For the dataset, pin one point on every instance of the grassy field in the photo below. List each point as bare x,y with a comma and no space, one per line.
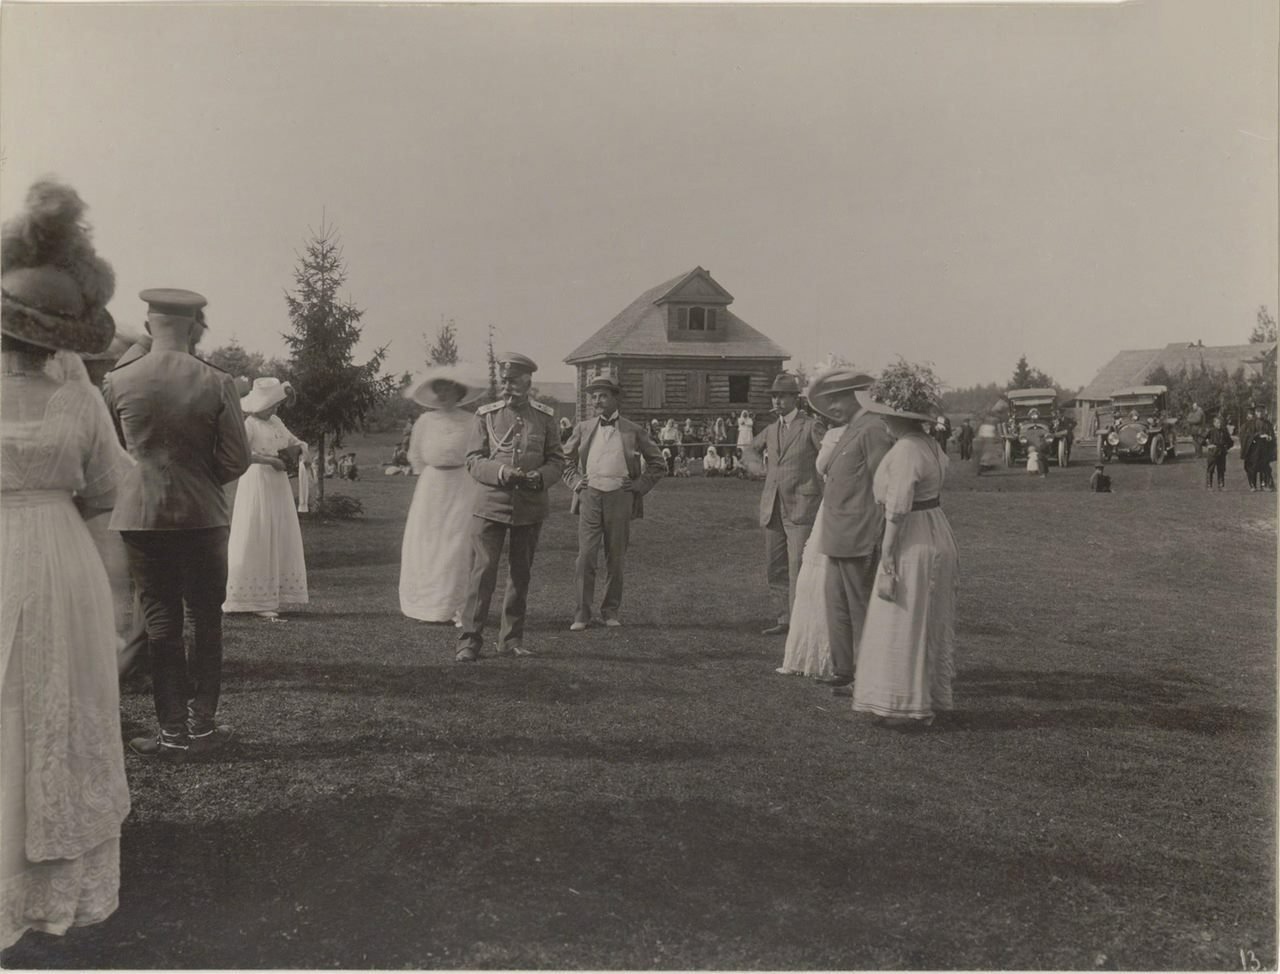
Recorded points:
657,797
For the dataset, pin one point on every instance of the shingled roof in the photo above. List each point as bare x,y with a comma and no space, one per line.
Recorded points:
1131,367
640,330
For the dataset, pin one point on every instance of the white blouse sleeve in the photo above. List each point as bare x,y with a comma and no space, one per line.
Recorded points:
901,470
827,451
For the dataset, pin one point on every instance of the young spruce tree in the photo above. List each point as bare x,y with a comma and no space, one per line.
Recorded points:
334,393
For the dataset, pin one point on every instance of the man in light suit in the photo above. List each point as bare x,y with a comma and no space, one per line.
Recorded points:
792,493
610,464
852,522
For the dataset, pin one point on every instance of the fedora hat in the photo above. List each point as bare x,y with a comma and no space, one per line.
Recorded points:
604,382
266,392
473,384
785,382
832,382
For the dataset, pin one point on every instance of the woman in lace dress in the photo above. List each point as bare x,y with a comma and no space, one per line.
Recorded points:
63,794
265,564
906,656
435,556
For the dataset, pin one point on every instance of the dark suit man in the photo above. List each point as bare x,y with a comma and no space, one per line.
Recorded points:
610,464
852,522
965,437
180,419
792,493
514,454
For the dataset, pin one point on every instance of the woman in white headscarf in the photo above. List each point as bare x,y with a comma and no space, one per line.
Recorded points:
266,568
435,557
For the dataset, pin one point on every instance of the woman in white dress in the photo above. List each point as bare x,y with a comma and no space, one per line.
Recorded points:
435,556
906,659
265,564
63,794
746,429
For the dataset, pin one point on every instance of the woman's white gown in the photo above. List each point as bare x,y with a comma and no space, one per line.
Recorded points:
808,649
265,564
435,556
63,793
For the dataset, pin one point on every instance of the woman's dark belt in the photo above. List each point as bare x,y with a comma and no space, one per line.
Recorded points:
928,505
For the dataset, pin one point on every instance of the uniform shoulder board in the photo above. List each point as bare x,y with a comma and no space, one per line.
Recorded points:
133,353
542,407
492,407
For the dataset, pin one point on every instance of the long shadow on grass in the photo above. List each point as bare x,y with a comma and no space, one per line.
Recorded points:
405,740
380,881
1024,699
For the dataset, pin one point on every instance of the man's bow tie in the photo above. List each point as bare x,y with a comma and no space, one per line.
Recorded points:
609,422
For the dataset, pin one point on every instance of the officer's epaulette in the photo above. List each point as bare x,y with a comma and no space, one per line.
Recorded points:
542,407
134,353
492,407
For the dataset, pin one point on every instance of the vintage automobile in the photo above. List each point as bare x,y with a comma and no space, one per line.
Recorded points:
1140,426
1035,421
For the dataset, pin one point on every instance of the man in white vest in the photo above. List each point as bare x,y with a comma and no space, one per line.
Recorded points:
610,464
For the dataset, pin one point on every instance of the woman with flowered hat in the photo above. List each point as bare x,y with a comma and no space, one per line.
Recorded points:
435,556
266,567
63,794
906,655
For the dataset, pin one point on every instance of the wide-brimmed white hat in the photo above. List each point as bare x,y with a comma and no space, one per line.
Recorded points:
472,380
831,382
266,392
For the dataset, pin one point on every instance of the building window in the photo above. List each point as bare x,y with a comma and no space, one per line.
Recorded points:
739,389
697,319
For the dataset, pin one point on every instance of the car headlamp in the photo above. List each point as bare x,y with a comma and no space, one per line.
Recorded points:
1113,438
1142,437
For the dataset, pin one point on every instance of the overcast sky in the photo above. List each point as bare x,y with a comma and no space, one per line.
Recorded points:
952,184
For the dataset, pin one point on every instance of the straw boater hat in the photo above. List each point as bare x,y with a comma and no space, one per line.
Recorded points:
54,289
903,389
266,392
832,382
604,382
473,383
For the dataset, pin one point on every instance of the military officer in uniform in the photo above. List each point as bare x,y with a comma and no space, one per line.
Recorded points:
180,419
514,453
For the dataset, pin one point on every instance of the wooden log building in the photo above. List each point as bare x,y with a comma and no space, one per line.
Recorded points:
678,352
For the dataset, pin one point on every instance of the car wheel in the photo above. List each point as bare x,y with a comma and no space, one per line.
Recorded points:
1008,453
1157,449
1062,453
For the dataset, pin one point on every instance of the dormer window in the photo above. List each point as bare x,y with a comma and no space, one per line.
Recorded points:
696,319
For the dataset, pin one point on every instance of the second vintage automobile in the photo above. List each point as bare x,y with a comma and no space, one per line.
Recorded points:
1140,426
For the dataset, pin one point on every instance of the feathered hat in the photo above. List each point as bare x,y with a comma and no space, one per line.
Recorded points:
904,389
54,288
